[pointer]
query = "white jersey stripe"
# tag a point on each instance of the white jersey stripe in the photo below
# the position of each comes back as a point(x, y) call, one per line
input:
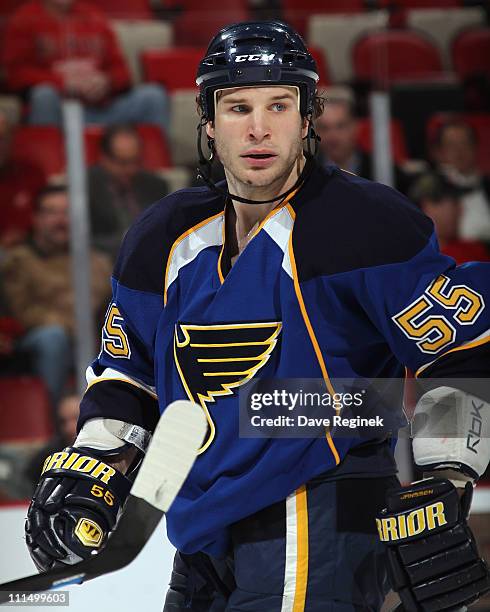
point(210, 234)
point(279, 228)
point(291, 554)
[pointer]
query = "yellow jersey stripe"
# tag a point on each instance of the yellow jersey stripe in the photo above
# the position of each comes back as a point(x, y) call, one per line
point(301, 550)
point(124, 380)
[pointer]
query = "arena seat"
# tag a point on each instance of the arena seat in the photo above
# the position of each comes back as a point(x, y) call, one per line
point(43, 145)
point(7, 7)
point(480, 122)
point(183, 125)
point(137, 36)
point(25, 411)
point(126, 9)
point(398, 144)
point(296, 12)
point(393, 55)
point(92, 135)
point(174, 68)
point(471, 53)
point(335, 36)
point(10, 327)
point(322, 65)
point(442, 25)
point(197, 23)
point(156, 153)
point(177, 177)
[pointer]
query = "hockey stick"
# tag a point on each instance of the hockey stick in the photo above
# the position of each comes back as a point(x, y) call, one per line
point(170, 457)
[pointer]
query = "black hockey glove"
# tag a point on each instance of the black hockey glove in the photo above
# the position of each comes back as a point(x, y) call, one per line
point(433, 561)
point(75, 506)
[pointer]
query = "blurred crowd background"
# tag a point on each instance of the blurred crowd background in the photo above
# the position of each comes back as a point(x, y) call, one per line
point(132, 64)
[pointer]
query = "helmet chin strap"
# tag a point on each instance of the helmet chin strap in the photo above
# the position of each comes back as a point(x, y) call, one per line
point(205, 165)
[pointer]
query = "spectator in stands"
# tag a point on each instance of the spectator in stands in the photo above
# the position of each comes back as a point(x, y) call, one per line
point(67, 412)
point(440, 201)
point(338, 130)
point(67, 47)
point(20, 181)
point(119, 187)
point(38, 286)
point(455, 154)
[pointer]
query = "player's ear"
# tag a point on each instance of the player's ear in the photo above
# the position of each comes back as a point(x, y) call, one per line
point(304, 127)
point(210, 129)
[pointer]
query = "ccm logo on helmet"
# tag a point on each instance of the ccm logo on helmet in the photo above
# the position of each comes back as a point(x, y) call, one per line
point(255, 57)
point(411, 524)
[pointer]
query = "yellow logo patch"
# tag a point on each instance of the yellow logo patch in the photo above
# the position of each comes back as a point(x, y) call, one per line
point(89, 533)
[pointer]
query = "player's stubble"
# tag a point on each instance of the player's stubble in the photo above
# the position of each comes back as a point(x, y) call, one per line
point(250, 182)
point(253, 181)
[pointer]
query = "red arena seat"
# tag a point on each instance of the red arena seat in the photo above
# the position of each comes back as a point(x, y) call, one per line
point(480, 122)
point(25, 411)
point(471, 53)
point(395, 55)
point(156, 152)
point(197, 23)
point(43, 145)
point(174, 68)
point(92, 135)
point(322, 65)
point(398, 144)
point(297, 12)
point(7, 7)
point(126, 9)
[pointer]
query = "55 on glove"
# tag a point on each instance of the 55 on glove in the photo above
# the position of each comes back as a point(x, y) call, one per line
point(433, 560)
point(75, 506)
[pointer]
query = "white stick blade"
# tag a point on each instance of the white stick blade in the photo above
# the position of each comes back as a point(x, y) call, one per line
point(173, 449)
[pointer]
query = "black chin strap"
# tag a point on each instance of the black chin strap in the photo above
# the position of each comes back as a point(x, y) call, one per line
point(205, 165)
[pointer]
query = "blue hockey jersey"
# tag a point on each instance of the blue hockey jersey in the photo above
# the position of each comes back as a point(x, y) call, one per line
point(344, 280)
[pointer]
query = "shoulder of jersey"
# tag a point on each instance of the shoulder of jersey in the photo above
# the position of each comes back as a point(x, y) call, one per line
point(344, 222)
point(148, 242)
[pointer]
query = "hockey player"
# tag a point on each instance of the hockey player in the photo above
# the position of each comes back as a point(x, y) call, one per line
point(286, 271)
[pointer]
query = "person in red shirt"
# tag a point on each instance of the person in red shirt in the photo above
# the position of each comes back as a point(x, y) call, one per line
point(20, 182)
point(67, 47)
point(441, 202)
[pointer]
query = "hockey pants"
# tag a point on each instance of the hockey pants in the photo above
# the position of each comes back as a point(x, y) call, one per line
point(317, 551)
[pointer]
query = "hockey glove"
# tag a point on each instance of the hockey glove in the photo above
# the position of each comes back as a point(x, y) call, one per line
point(433, 561)
point(76, 504)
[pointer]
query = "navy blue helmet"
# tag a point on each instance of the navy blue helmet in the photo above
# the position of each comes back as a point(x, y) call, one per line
point(257, 53)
